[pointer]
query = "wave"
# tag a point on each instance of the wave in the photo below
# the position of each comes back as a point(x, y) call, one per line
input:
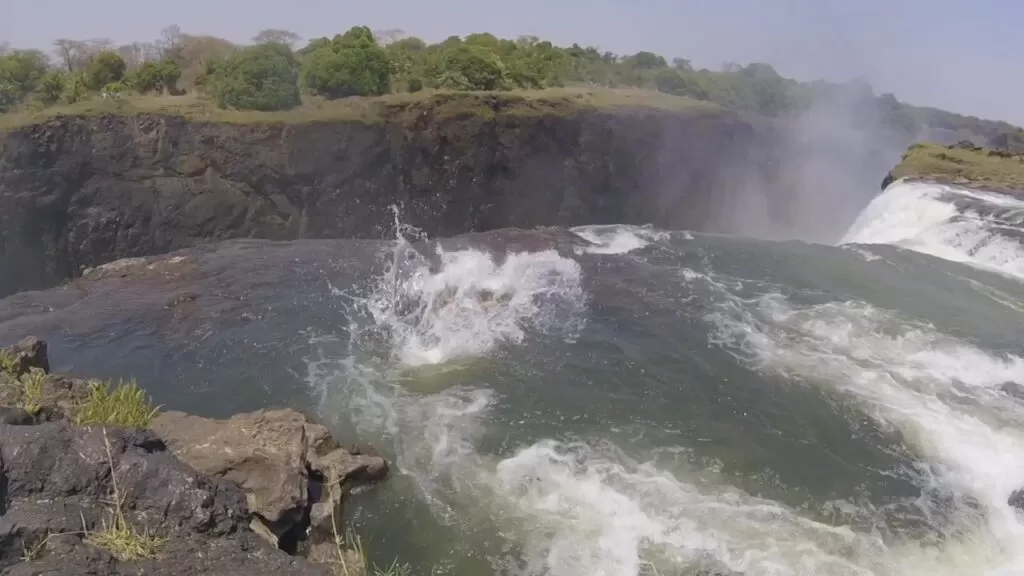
point(979, 228)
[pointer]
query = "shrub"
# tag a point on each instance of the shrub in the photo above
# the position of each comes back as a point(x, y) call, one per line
point(52, 87)
point(157, 76)
point(470, 67)
point(105, 68)
point(352, 64)
point(262, 77)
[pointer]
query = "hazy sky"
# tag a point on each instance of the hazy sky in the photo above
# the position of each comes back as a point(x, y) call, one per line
point(960, 55)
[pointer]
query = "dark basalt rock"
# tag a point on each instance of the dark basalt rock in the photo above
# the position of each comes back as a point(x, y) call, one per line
point(233, 496)
point(58, 481)
point(16, 417)
point(76, 192)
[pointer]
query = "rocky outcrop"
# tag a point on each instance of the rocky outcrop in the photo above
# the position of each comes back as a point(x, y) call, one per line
point(59, 479)
point(76, 192)
point(279, 459)
point(237, 496)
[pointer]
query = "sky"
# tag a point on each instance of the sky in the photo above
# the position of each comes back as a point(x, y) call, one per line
point(953, 54)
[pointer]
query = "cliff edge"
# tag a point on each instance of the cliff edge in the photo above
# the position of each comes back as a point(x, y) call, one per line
point(962, 164)
point(79, 191)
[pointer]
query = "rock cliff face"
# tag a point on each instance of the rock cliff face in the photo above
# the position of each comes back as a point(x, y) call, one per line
point(80, 191)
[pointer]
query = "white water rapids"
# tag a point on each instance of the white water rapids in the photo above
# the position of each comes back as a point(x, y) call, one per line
point(591, 510)
point(924, 217)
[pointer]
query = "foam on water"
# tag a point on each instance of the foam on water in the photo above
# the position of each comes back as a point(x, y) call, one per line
point(587, 508)
point(924, 217)
point(616, 238)
point(944, 394)
point(466, 303)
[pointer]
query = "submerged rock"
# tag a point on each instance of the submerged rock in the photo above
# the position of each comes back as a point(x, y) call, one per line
point(1016, 499)
point(219, 496)
point(1013, 389)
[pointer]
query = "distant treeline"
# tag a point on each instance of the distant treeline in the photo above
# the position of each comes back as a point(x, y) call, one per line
point(271, 74)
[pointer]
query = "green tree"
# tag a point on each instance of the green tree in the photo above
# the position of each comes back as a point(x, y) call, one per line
point(52, 87)
point(352, 64)
point(472, 67)
point(285, 37)
point(674, 81)
point(157, 76)
point(148, 78)
point(262, 77)
point(170, 72)
point(75, 90)
point(106, 68)
point(20, 74)
point(645, 61)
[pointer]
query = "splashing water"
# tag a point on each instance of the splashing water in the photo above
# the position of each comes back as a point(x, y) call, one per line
point(588, 507)
point(944, 394)
point(982, 229)
point(616, 239)
point(465, 303)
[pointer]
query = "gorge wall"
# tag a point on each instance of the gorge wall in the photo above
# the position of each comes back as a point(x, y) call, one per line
point(76, 192)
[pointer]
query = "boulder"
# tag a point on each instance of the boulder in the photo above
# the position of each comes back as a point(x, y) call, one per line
point(60, 488)
point(280, 460)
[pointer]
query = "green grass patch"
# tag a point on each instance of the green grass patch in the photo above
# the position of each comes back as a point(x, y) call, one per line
point(8, 362)
point(978, 167)
point(124, 405)
point(27, 391)
point(33, 390)
point(551, 101)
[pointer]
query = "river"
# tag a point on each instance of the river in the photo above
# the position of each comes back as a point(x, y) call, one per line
point(621, 400)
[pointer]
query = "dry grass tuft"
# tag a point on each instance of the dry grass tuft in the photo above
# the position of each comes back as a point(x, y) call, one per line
point(117, 535)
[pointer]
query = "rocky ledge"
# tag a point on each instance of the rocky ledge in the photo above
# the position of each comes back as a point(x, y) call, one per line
point(83, 493)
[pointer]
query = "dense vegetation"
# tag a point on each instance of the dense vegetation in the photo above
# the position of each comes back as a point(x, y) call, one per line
point(271, 74)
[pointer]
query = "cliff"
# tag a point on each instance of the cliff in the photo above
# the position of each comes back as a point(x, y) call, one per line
point(78, 191)
point(963, 164)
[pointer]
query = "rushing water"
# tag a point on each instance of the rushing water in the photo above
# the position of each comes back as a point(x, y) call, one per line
point(617, 401)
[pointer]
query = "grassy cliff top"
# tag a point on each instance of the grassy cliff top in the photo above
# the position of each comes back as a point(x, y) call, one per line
point(552, 101)
point(961, 164)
